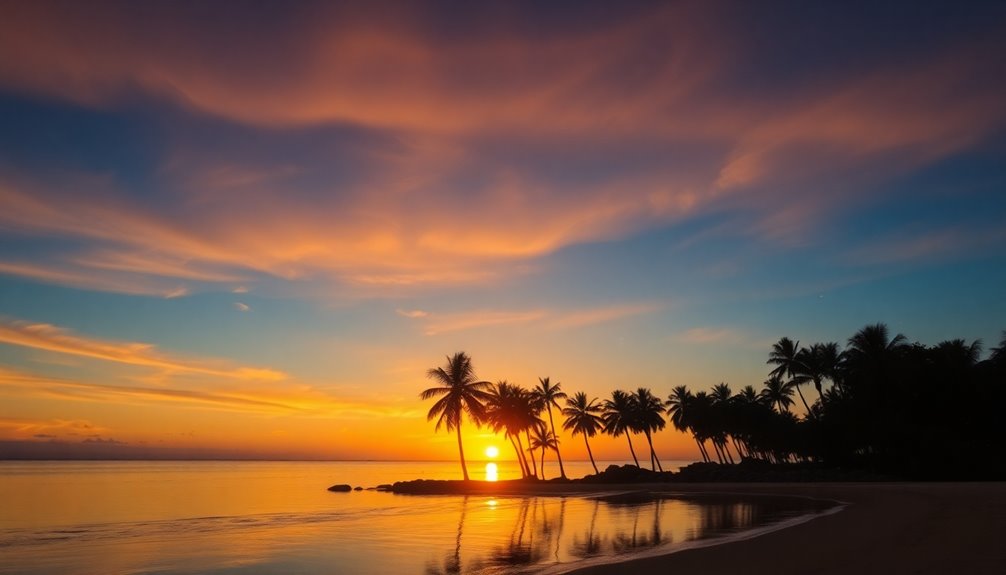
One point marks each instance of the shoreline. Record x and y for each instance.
(878, 527)
(919, 528)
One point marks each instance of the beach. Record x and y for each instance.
(919, 528)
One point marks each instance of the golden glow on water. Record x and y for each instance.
(492, 472)
(186, 518)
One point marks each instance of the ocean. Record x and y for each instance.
(227, 517)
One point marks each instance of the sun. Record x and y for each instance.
(492, 452)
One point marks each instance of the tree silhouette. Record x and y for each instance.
(786, 355)
(681, 411)
(582, 416)
(819, 362)
(460, 393)
(619, 417)
(648, 417)
(510, 409)
(543, 439)
(777, 393)
(549, 394)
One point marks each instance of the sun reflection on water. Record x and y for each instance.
(492, 472)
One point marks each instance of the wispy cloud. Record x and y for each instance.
(909, 246)
(414, 314)
(242, 307)
(298, 400)
(436, 323)
(462, 182)
(445, 323)
(26, 428)
(37, 385)
(55, 339)
(585, 317)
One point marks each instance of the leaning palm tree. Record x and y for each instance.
(549, 395)
(618, 417)
(460, 393)
(679, 410)
(786, 355)
(543, 439)
(511, 409)
(777, 393)
(649, 409)
(582, 417)
(722, 399)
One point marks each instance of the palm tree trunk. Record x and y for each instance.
(702, 449)
(461, 452)
(631, 450)
(726, 449)
(520, 462)
(520, 455)
(562, 470)
(590, 454)
(543, 463)
(527, 435)
(809, 412)
(653, 454)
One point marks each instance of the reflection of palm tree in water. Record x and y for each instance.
(562, 520)
(657, 536)
(452, 563)
(516, 552)
(623, 543)
(592, 545)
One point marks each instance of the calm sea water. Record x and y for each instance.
(277, 517)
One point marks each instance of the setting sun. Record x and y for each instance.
(492, 452)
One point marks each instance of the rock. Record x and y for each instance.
(357, 488)
(341, 487)
(384, 487)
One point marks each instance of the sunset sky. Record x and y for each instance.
(248, 229)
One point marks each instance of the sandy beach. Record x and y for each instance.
(918, 528)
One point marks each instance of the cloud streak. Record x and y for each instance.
(603, 129)
(55, 339)
(437, 323)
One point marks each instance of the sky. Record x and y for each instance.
(247, 229)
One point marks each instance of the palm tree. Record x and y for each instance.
(510, 409)
(648, 418)
(462, 393)
(722, 398)
(543, 439)
(701, 420)
(582, 417)
(786, 356)
(871, 348)
(550, 395)
(618, 417)
(680, 411)
(822, 361)
(777, 393)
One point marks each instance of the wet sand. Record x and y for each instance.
(887, 528)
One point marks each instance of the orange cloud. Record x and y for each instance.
(436, 324)
(51, 338)
(451, 194)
